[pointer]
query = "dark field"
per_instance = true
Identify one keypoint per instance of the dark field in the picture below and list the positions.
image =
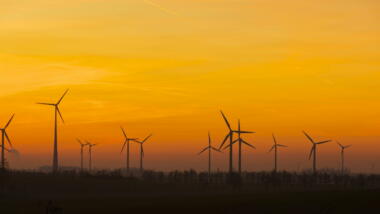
(30, 192)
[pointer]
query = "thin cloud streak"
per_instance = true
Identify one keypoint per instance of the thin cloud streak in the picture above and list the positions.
(161, 8)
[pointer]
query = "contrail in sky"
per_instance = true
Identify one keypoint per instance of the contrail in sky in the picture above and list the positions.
(160, 7)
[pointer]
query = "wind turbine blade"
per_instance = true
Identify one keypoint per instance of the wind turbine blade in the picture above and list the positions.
(311, 152)
(10, 120)
(122, 148)
(235, 141)
(8, 150)
(80, 142)
(49, 104)
(274, 139)
(311, 139)
(122, 129)
(280, 145)
(347, 146)
(209, 139)
(225, 120)
(7, 137)
(245, 142)
(64, 94)
(341, 146)
(224, 141)
(60, 115)
(215, 149)
(322, 142)
(147, 138)
(271, 149)
(203, 150)
(244, 132)
(142, 150)
(227, 146)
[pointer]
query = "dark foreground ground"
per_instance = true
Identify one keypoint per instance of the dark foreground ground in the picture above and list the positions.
(286, 202)
(30, 194)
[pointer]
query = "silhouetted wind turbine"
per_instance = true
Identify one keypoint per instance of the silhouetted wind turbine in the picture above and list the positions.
(342, 155)
(56, 111)
(82, 145)
(142, 150)
(274, 147)
(3, 136)
(126, 142)
(241, 141)
(90, 145)
(230, 136)
(209, 148)
(313, 150)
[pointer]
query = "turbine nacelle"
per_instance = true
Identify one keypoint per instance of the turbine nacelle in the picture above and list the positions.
(126, 139)
(142, 143)
(4, 130)
(231, 131)
(343, 147)
(275, 145)
(56, 108)
(313, 148)
(209, 146)
(81, 143)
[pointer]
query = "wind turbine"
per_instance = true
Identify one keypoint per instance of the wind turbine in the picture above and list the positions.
(126, 142)
(274, 147)
(56, 111)
(209, 148)
(342, 148)
(241, 141)
(82, 145)
(90, 145)
(230, 136)
(3, 136)
(142, 150)
(313, 151)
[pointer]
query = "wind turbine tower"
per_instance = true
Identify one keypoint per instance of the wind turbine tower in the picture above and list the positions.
(313, 151)
(90, 145)
(275, 147)
(56, 113)
(126, 143)
(342, 148)
(4, 136)
(209, 148)
(230, 137)
(142, 151)
(82, 145)
(241, 141)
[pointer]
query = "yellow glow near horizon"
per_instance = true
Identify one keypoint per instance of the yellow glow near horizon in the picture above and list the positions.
(169, 66)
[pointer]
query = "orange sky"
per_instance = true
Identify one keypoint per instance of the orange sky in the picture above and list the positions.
(167, 67)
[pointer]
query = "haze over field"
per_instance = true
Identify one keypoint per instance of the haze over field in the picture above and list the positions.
(168, 66)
